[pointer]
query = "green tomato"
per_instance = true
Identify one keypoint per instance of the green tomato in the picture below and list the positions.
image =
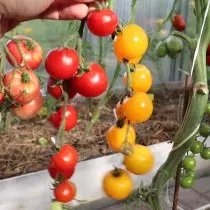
(161, 49)
(205, 153)
(189, 163)
(56, 206)
(190, 173)
(196, 147)
(174, 44)
(207, 111)
(204, 130)
(186, 182)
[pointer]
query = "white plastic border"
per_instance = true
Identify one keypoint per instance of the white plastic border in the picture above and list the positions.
(32, 191)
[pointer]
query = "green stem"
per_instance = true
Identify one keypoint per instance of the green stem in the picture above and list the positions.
(110, 4)
(101, 51)
(128, 82)
(133, 11)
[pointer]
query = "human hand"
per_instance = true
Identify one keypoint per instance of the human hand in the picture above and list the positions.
(12, 12)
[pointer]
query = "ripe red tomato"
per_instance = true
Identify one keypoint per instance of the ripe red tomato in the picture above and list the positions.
(54, 88)
(1, 98)
(30, 110)
(92, 83)
(66, 158)
(208, 60)
(102, 22)
(179, 22)
(71, 118)
(31, 52)
(69, 88)
(22, 86)
(65, 192)
(57, 173)
(62, 63)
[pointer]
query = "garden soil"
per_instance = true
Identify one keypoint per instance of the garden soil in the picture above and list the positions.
(20, 153)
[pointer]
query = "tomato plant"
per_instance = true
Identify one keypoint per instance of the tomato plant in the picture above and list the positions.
(66, 59)
(25, 51)
(102, 22)
(178, 22)
(140, 160)
(22, 86)
(92, 83)
(117, 184)
(65, 192)
(189, 163)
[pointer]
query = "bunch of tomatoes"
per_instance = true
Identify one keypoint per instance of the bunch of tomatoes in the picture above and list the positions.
(198, 147)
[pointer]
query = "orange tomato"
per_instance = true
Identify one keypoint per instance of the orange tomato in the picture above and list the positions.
(116, 137)
(131, 44)
(137, 108)
(140, 161)
(117, 184)
(118, 110)
(141, 79)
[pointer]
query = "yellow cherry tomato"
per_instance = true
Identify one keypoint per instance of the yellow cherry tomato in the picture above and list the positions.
(116, 137)
(137, 108)
(141, 79)
(131, 44)
(118, 110)
(117, 184)
(140, 161)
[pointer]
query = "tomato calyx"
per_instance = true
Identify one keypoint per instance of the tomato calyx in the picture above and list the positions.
(25, 77)
(120, 123)
(116, 172)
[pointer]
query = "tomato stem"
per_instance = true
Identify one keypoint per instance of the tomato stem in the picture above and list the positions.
(129, 80)
(133, 11)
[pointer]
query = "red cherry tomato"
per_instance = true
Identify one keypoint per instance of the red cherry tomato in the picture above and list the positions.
(65, 192)
(92, 83)
(62, 63)
(1, 98)
(22, 86)
(57, 173)
(102, 22)
(31, 52)
(65, 159)
(30, 110)
(71, 117)
(208, 60)
(54, 88)
(179, 22)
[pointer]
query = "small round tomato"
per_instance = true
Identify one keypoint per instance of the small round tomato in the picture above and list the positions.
(31, 52)
(2, 98)
(186, 182)
(161, 49)
(54, 88)
(140, 160)
(131, 44)
(196, 147)
(190, 173)
(117, 184)
(174, 44)
(116, 137)
(65, 159)
(56, 206)
(92, 83)
(205, 153)
(141, 79)
(22, 86)
(30, 110)
(189, 163)
(178, 22)
(137, 108)
(65, 192)
(62, 63)
(71, 117)
(204, 130)
(57, 173)
(102, 22)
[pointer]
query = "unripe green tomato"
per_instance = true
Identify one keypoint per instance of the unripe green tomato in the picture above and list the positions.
(205, 153)
(196, 147)
(189, 163)
(207, 111)
(186, 182)
(174, 44)
(204, 130)
(56, 206)
(161, 49)
(190, 173)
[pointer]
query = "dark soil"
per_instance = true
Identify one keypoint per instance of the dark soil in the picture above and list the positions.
(20, 153)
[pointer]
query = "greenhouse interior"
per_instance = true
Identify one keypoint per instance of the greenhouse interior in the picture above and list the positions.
(104, 105)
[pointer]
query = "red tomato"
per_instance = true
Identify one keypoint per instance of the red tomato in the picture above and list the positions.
(54, 88)
(22, 86)
(208, 50)
(71, 118)
(57, 173)
(62, 63)
(70, 88)
(208, 60)
(31, 52)
(178, 23)
(1, 98)
(92, 83)
(30, 110)
(66, 158)
(65, 192)
(102, 22)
